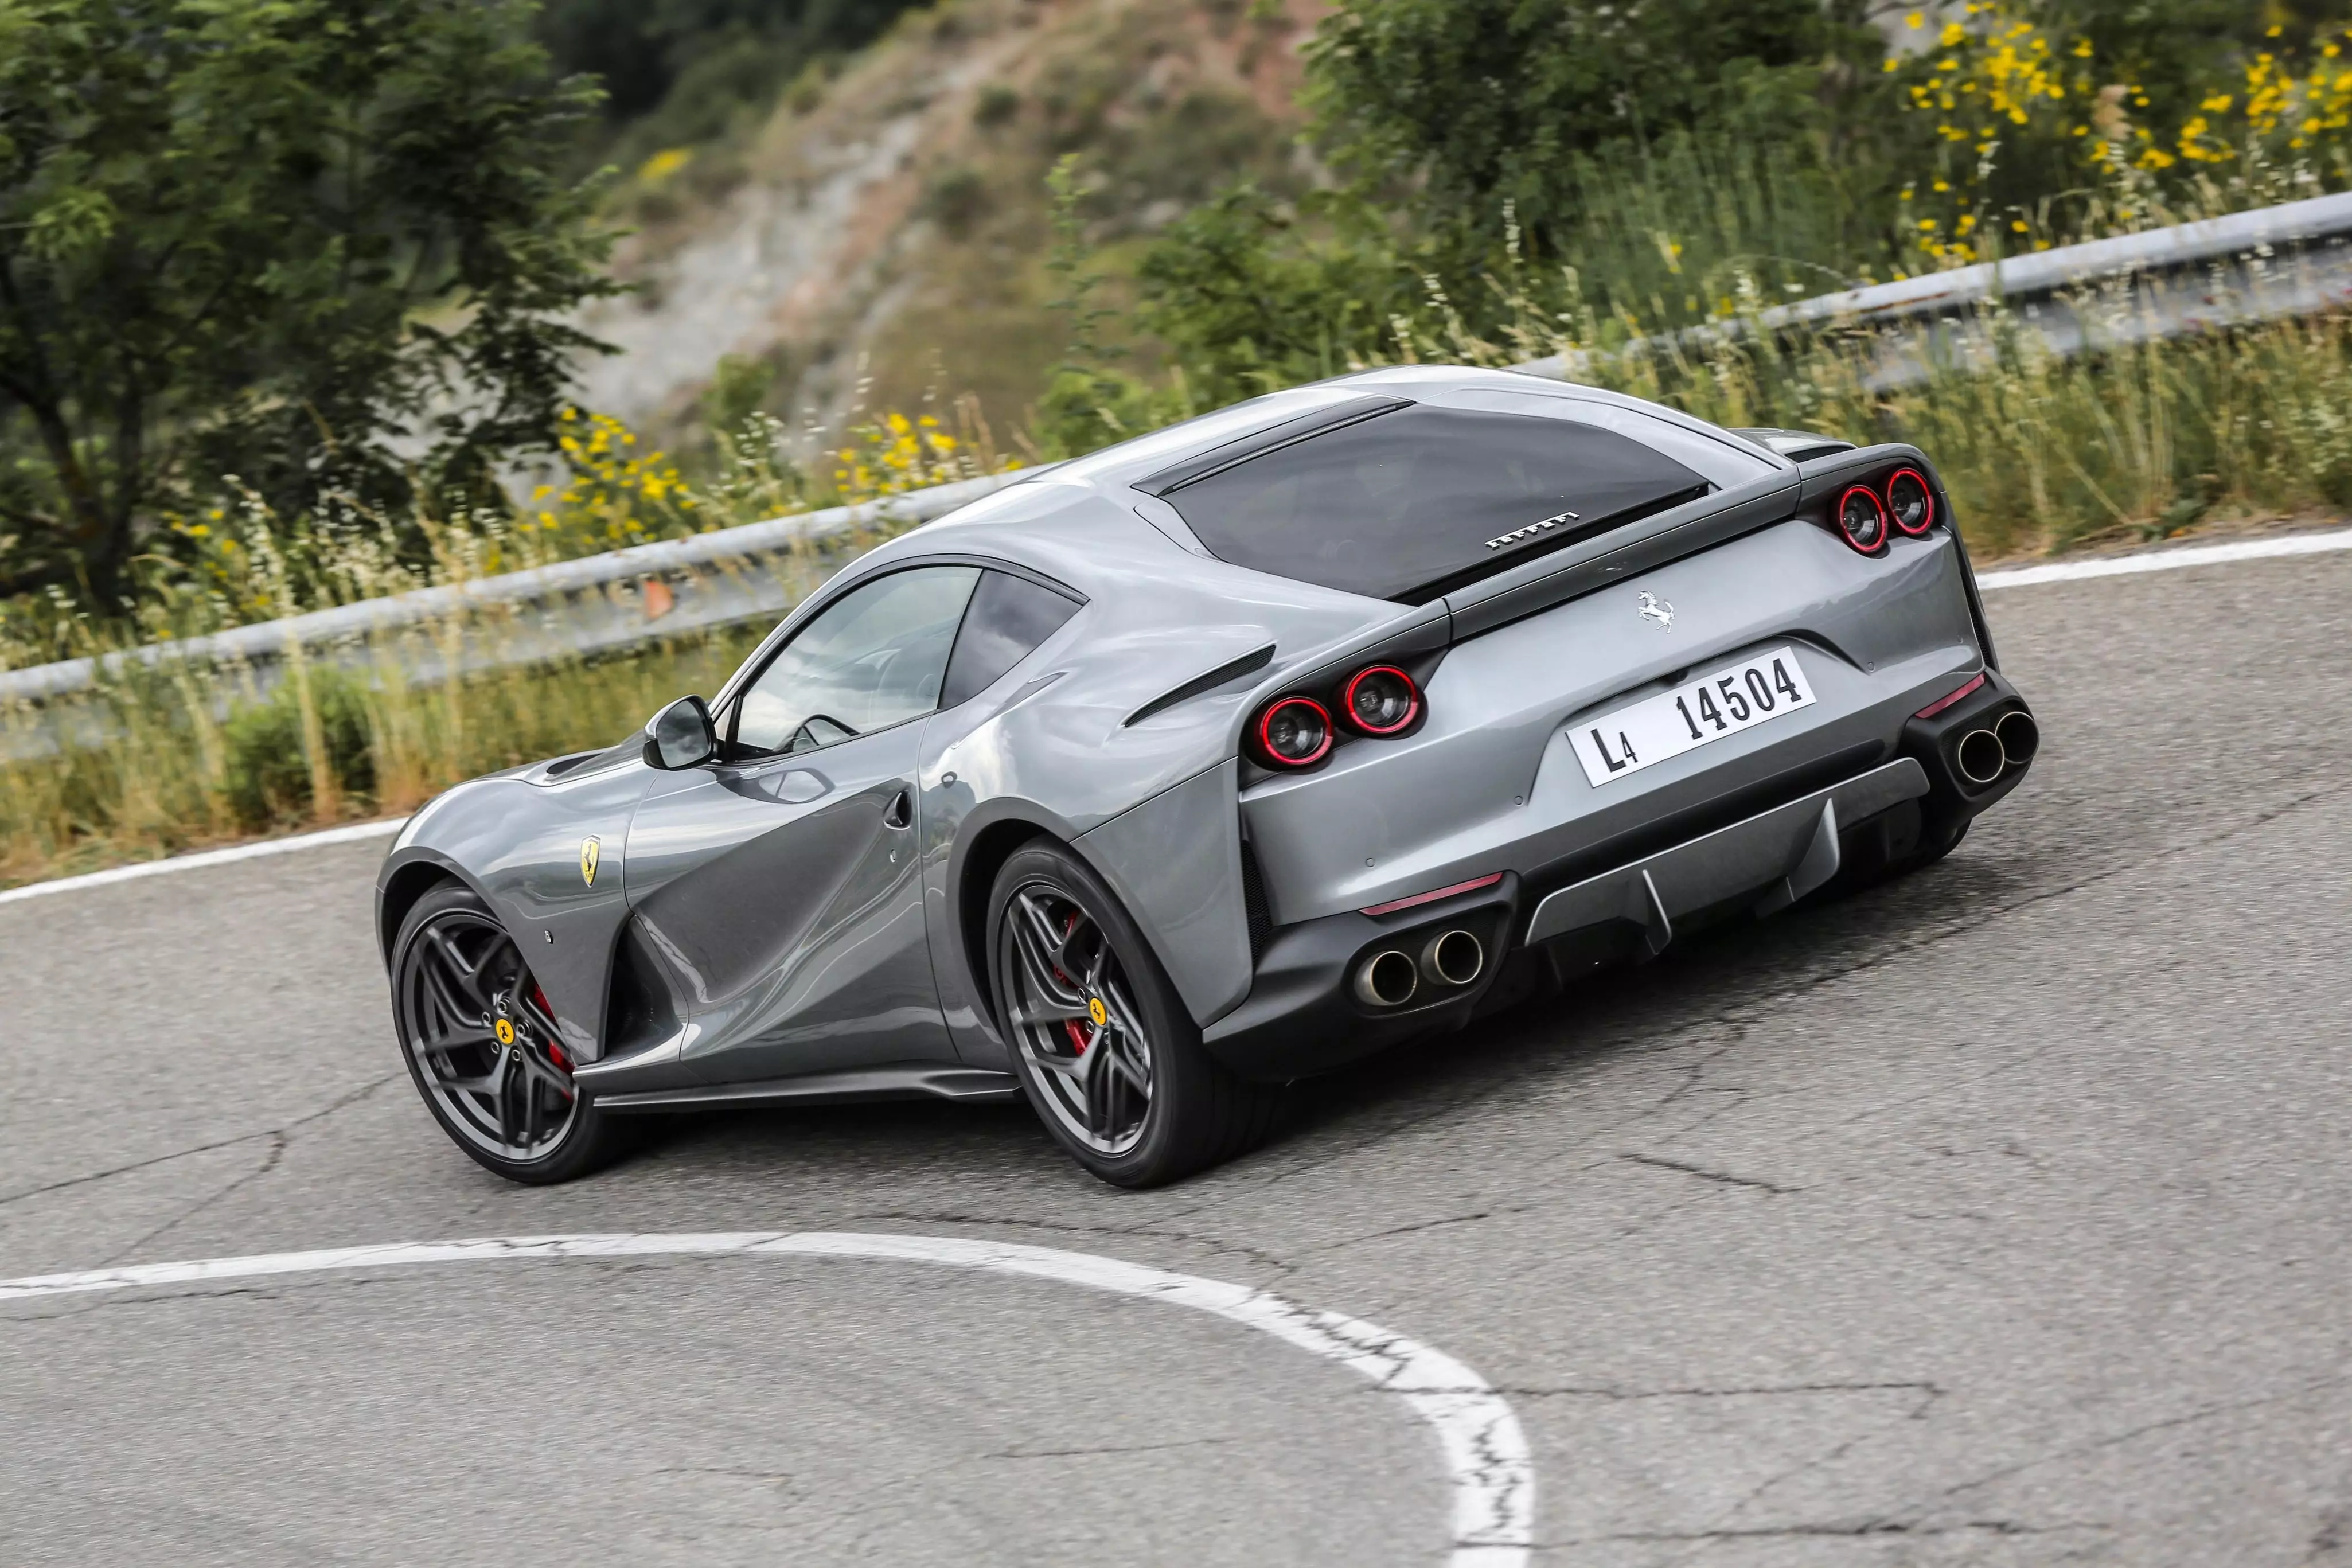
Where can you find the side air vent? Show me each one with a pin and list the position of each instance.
(1261, 919)
(1248, 663)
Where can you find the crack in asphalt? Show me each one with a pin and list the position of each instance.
(1768, 1390)
(61, 1186)
(1708, 1175)
(1422, 1225)
(2202, 1413)
(1089, 1452)
(86, 1178)
(281, 1139)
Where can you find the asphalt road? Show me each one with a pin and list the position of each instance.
(2002, 1216)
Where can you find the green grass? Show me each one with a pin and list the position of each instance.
(2130, 442)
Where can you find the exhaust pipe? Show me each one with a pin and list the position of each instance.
(1386, 980)
(2018, 735)
(1980, 757)
(1453, 958)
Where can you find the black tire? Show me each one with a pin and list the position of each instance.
(1195, 1113)
(502, 1075)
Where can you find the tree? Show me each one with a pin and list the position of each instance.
(1477, 102)
(1250, 303)
(315, 243)
(687, 66)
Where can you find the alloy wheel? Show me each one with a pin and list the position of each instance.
(1074, 1018)
(484, 1041)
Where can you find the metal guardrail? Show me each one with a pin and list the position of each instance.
(2292, 259)
(2285, 260)
(596, 604)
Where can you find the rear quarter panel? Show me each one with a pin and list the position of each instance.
(1491, 783)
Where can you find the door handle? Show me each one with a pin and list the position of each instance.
(901, 813)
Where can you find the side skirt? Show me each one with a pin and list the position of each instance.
(913, 1083)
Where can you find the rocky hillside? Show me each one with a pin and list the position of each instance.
(884, 234)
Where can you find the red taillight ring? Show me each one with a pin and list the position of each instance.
(1885, 525)
(1926, 489)
(1347, 700)
(1272, 758)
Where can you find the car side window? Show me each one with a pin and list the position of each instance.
(873, 658)
(1009, 617)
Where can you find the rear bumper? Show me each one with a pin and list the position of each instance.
(1776, 857)
(1303, 1015)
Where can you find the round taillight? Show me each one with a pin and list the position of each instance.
(1910, 502)
(1293, 732)
(1379, 701)
(1862, 520)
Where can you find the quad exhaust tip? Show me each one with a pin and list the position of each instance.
(1392, 977)
(1980, 757)
(1453, 958)
(1387, 979)
(1983, 755)
(2018, 735)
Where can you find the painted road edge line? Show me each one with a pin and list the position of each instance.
(267, 847)
(1488, 1465)
(2168, 560)
(2006, 577)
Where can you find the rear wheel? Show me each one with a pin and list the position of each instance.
(483, 1045)
(1103, 1047)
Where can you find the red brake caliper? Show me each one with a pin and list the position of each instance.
(1077, 1035)
(554, 1047)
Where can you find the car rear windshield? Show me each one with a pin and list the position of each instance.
(1411, 503)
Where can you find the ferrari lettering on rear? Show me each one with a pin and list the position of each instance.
(1531, 531)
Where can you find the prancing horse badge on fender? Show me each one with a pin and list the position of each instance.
(591, 850)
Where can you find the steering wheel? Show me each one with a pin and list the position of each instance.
(804, 739)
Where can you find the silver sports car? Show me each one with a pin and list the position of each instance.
(1212, 761)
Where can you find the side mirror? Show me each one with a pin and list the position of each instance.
(681, 736)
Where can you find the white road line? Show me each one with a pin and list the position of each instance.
(2006, 577)
(351, 834)
(2168, 560)
(1486, 1459)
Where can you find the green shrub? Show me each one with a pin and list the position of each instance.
(267, 764)
(996, 104)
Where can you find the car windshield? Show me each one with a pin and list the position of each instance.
(1409, 504)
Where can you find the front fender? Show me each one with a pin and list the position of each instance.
(522, 847)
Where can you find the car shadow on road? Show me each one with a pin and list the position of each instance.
(1700, 980)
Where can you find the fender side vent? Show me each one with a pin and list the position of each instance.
(1261, 919)
(1248, 663)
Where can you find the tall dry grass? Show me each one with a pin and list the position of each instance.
(2135, 438)
(161, 757)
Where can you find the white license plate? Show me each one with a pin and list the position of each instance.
(1667, 725)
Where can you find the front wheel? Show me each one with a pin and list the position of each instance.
(483, 1047)
(1106, 1050)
